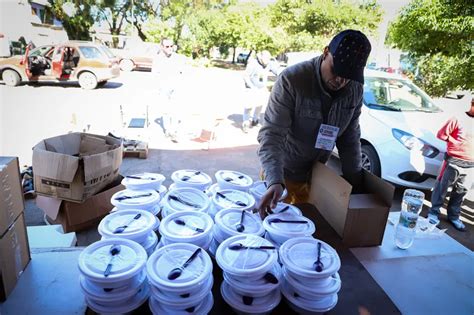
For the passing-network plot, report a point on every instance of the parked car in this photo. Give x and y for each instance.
(399, 123)
(88, 63)
(242, 57)
(138, 57)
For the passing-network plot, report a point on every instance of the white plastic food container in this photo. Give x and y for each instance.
(133, 199)
(227, 222)
(231, 198)
(185, 199)
(248, 262)
(283, 226)
(135, 225)
(287, 208)
(259, 188)
(233, 180)
(191, 178)
(143, 181)
(203, 308)
(317, 289)
(187, 227)
(253, 305)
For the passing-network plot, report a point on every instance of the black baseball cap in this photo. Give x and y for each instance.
(350, 50)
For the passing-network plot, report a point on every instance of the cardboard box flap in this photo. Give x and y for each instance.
(379, 187)
(53, 165)
(366, 201)
(67, 144)
(330, 194)
(92, 145)
(103, 164)
(50, 206)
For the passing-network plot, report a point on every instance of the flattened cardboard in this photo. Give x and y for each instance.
(11, 192)
(79, 216)
(75, 166)
(358, 219)
(14, 256)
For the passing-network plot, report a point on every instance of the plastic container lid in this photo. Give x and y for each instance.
(257, 286)
(150, 243)
(121, 307)
(137, 229)
(191, 178)
(211, 190)
(127, 263)
(313, 305)
(315, 289)
(139, 199)
(259, 305)
(231, 198)
(299, 254)
(233, 180)
(185, 199)
(143, 181)
(288, 230)
(246, 262)
(182, 301)
(111, 295)
(259, 188)
(203, 308)
(168, 257)
(228, 219)
(281, 206)
(186, 231)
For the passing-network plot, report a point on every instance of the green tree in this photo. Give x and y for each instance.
(76, 16)
(438, 35)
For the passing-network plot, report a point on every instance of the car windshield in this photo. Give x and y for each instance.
(107, 51)
(396, 95)
(40, 51)
(90, 52)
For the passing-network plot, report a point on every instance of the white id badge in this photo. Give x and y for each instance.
(326, 139)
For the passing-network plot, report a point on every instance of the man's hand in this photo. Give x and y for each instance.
(270, 199)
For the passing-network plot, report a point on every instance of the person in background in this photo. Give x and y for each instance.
(457, 169)
(256, 78)
(168, 67)
(313, 106)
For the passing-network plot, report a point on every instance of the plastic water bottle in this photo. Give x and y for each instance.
(405, 230)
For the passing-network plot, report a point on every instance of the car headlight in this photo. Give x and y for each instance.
(411, 142)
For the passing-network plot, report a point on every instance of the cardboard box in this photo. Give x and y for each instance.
(79, 216)
(75, 166)
(14, 256)
(358, 219)
(11, 192)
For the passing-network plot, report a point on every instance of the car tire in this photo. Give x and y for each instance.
(11, 77)
(87, 80)
(370, 160)
(126, 65)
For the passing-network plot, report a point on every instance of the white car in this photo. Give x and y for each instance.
(399, 123)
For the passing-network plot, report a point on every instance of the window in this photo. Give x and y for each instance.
(90, 52)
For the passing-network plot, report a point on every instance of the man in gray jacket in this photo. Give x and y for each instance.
(313, 106)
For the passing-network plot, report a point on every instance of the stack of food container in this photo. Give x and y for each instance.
(113, 278)
(135, 225)
(233, 180)
(190, 178)
(230, 222)
(281, 227)
(259, 188)
(231, 198)
(282, 207)
(187, 227)
(145, 181)
(147, 199)
(185, 199)
(181, 280)
(310, 280)
(251, 274)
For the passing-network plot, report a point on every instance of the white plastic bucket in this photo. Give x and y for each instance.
(227, 221)
(231, 198)
(187, 227)
(191, 178)
(259, 305)
(185, 199)
(233, 180)
(143, 181)
(281, 231)
(136, 199)
(202, 309)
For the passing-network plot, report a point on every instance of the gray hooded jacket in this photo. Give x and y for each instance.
(294, 114)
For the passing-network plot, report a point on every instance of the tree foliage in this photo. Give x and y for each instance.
(77, 17)
(438, 34)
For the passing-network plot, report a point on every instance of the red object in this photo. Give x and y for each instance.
(458, 133)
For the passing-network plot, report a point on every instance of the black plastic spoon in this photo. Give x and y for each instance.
(318, 263)
(187, 177)
(122, 228)
(284, 209)
(184, 202)
(240, 246)
(139, 177)
(240, 227)
(277, 220)
(132, 197)
(230, 179)
(114, 251)
(238, 202)
(176, 272)
(181, 222)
